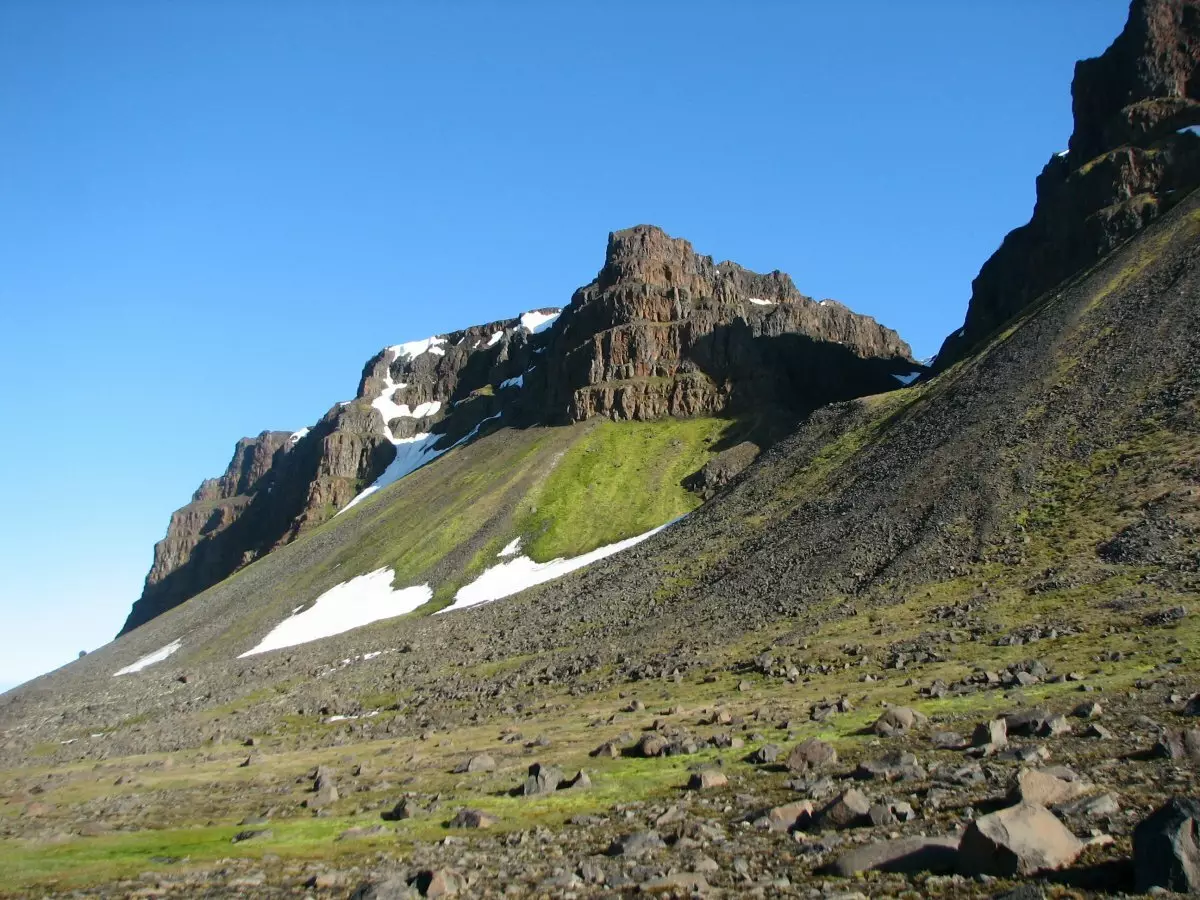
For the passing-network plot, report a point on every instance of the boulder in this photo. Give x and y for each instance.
(1040, 787)
(1026, 723)
(897, 720)
(707, 779)
(907, 855)
(1166, 850)
(440, 883)
(990, 736)
(811, 755)
(788, 816)
(480, 763)
(542, 780)
(848, 809)
(652, 745)
(764, 755)
(636, 844)
(890, 767)
(1020, 840)
(1180, 744)
(473, 818)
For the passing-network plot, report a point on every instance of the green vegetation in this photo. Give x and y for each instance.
(620, 480)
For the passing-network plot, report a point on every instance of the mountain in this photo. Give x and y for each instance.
(924, 640)
(1134, 154)
(661, 331)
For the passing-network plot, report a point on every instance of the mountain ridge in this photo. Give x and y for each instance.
(661, 331)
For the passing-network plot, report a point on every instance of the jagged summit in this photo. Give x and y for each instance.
(1132, 156)
(661, 331)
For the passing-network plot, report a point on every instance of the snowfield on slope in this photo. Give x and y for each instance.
(352, 604)
(150, 658)
(521, 572)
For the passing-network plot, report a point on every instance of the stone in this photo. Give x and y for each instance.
(479, 763)
(639, 843)
(607, 750)
(440, 883)
(1026, 723)
(990, 735)
(811, 755)
(788, 816)
(707, 779)
(676, 884)
(764, 755)
(948, 740)
(906, 855)
(895, 766)
(1044, 789)
(897, 720)
(1089, 709)
(259, 834)
(652, 745)
(1055, 726)
(394, 887)
(847, 810)
(581, 781)
(473, 818)
(542, 780)
(1020, 840)
(1166, 851)
(1179, 744)
(1097, 731)
(1102, 805)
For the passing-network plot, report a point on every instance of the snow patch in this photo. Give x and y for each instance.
(1190, 129)
(511, 547)
(411, 454)
(536, 322)
(297, 436)
(413, 349)
(352, 604)
(151, 658)
(521, 572)
(907, 379)
(496, 335)
(1061, 154)
(519, 381)
(760, 302)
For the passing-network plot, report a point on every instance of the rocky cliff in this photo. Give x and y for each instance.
(1134, 153)
(661, 331)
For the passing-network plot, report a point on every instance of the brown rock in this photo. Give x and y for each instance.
(1020, 840)
(915, 854)
(811, 755)
(1044, 789)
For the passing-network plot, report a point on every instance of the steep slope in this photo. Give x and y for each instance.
(1134, 153)
(661, 331)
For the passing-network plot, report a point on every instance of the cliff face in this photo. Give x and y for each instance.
(661, 331)
(1132, 156)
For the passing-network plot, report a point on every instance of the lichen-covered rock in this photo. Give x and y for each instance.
(1020, 840)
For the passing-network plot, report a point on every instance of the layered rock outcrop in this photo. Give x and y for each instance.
(661, 331)
(1134, 153)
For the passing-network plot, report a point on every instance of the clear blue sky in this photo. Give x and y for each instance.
(212, 213)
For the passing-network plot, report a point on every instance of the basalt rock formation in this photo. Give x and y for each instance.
(661, 331)
(1134, 153)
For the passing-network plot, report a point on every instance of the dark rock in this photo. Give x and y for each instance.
(473, 818)
(1166, 851)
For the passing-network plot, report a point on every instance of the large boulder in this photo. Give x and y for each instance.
(542, 780)
(1166, 850)
(1020, 840)
(898, 720)
(1044, 789)
(811, 755)
(848, 809)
